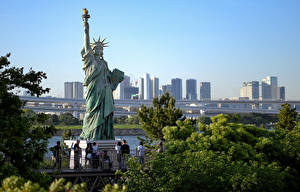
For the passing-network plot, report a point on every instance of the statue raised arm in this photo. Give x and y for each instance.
(85, 18)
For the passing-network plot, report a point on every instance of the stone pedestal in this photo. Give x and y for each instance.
(103, 145)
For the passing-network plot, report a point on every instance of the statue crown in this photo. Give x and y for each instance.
(100, 43)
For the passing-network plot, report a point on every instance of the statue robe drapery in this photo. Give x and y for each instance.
(99, 82)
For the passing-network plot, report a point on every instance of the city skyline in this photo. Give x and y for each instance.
(222, 42)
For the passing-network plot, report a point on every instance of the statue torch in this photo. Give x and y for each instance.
(85, 15)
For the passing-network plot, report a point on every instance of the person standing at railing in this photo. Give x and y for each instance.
(125, 150)
(118, 149)
(77, 153)
(57, 155)
(141, 153)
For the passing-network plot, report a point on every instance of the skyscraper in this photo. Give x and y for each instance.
(73, 90)
(130, 92)
(118, 93)
(68, 90)
(77, 90)
(155, 87)
(177, 88)
(205, 91)
(146, 86)
(281, 93)
(250, 90)
(141, 88)
(269, 88)
(191, 90)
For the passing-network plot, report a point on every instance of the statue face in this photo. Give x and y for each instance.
(98, 51)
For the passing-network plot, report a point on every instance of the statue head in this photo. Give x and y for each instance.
(98, 47)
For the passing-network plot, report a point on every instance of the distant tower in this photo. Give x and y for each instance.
(146, 86)
(191, 93)
(281, 93)
(118, 93)
(141, 88)
(269, 87)
(250, 90)
(177, 88)
(68, 90)
(77, 90)
(155, 87)
(205, 91)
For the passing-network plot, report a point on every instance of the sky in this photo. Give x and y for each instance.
(225, 42)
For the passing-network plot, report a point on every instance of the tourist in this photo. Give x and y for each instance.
(125, 150)
(106, 160)
(141, 153)
(95, 155)
(57, 155)
(88, 151)
(118, 149)
(77, 154)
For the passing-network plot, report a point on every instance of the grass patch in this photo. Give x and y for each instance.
(116, 126)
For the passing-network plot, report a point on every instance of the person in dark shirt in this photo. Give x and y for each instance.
(57, 155)
(77, 153)
(125, 150)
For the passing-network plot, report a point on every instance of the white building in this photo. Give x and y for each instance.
(250, 90)
(141, 88)
(147, 89)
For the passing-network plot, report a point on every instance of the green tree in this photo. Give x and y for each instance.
(225, 156)
(17, 184)
(287, 117)
(163, 113)
(22, 146)
(68, 119)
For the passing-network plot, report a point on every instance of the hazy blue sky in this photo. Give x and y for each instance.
(224, 42)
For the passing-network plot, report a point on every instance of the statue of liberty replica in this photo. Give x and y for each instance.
(100, 83)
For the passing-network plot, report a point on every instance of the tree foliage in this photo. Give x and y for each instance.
(163, 113)
(22, 147)
(224, 156)
(287, 117)
(16, 184)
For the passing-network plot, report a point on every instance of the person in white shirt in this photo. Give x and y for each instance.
(141, 153)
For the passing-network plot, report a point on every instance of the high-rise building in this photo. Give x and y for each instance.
(130, 92)
(147, 86)
(141, 88)
(68, 90)
(177, 88)
(118, 93)
(281, 93)
(73, 90)
(77, 90)
(250, 90)
(269, 88)
(126, 81)
(154, 87)
(205, 91)
(191, 90)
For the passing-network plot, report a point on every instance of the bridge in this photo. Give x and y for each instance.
(190, 108)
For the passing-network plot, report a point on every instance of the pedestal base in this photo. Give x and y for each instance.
(103, 145)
